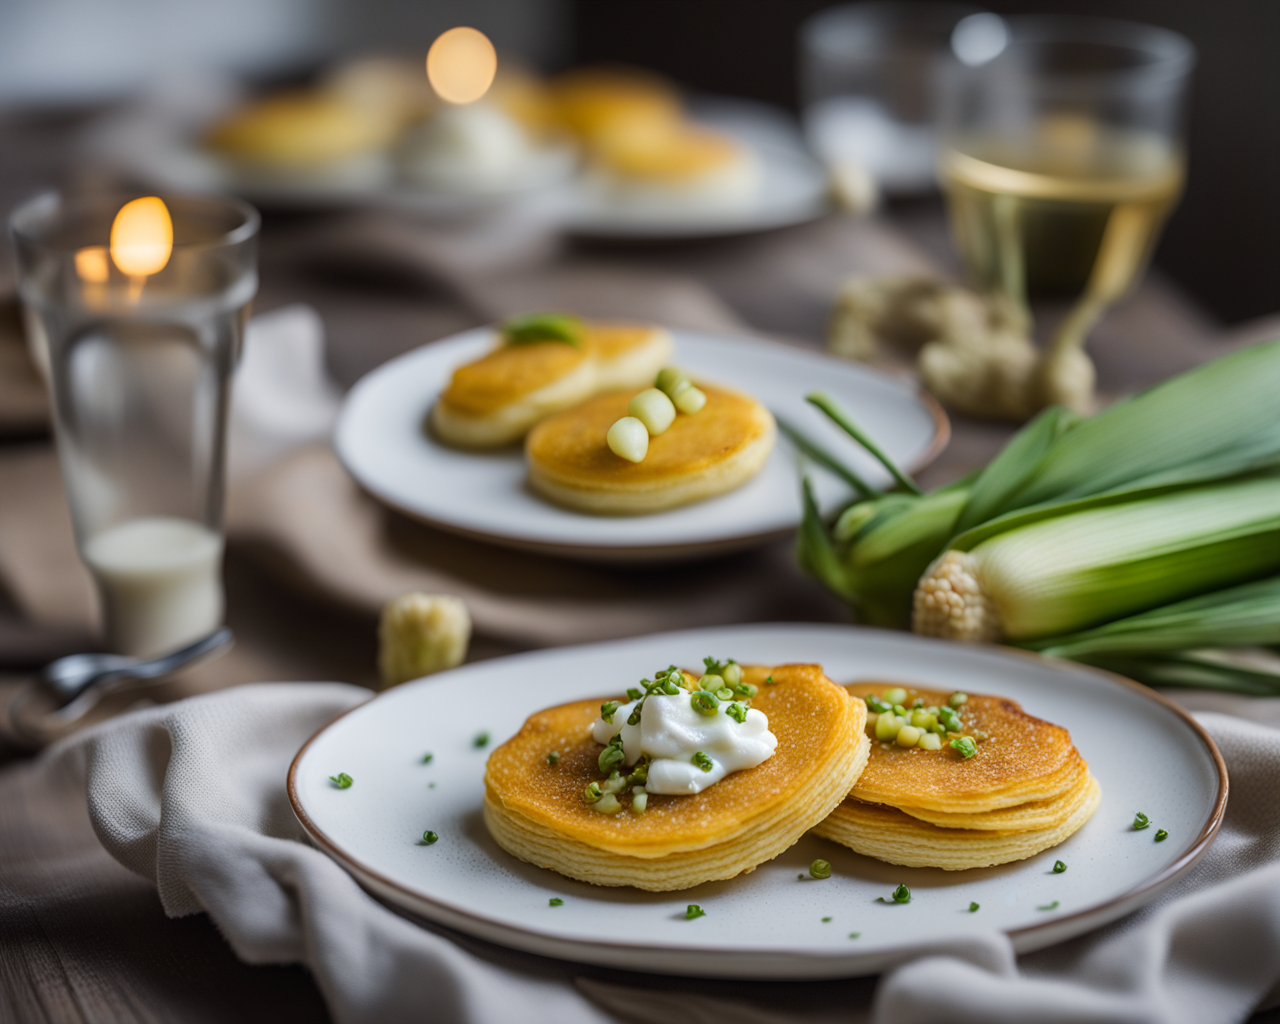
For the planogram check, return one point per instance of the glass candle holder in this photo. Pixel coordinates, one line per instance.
(136, 312)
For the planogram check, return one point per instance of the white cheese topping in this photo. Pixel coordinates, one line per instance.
(671, 732)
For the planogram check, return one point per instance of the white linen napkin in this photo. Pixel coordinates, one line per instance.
(192, 796)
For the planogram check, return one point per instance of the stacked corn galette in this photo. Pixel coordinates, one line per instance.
(691, 777)
(684, 780)
(611, 429)
(960, 781)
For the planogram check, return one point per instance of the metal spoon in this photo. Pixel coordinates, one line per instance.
(76, 683)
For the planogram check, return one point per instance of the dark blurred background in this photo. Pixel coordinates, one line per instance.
(1222, 243)
(60, 57)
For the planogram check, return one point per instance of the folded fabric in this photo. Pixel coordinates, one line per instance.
(192, 796)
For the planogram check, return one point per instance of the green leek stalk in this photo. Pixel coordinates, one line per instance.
(1213, 423)
(1069, 572)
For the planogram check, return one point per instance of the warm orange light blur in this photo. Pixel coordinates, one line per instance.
(141, 237)
(91, 264)
(461, 64)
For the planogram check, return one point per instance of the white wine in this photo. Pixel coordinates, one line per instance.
(1073, 210)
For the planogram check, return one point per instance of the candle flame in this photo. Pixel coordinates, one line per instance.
(461, 64)
(141, 237)
(91, 264)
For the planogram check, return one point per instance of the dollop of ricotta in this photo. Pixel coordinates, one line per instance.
(671, 732)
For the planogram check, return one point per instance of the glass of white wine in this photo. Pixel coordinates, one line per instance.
(1061, 156)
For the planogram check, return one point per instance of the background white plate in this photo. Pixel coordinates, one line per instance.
(1147, 755)
(381, 440)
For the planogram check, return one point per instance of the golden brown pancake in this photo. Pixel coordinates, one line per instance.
(298, 130)
(1025, 790)
(595, 101)
(1023, 759)
(535, 810)
(498, 397)
(887, 834)
(708, 453)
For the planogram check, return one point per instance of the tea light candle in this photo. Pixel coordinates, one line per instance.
(137, 311)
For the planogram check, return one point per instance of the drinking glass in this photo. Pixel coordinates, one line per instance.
(1061, 155)
(138, 332)
(868, 80)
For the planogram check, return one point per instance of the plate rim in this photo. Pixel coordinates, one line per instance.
(748, 964)
(614, 554)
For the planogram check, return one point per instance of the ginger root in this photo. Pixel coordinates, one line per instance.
(975, 353)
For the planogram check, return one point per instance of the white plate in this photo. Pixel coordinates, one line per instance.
(381, 440)
(1146, 753)
(793, 185)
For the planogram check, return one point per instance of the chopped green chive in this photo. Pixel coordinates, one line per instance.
(1161, 835)
(1059, 867)
(855, 935)
(692, 911)
(607, 709)
(737, 712)
(482, 740)
(426, 758)
(592, 792)
(965, 746)
(634, 692)
(877, 705)
(825, 920)
(768, 681)
(820, 868)
(702, 761)
(744, 690)
(534, 327)
(553, 757)
(1049, 906)
(973, 908)
(902, 894)
(342, 780)
(611, 756)
(640, 803)
(956, 699)
(801, 877)
(431, 785)
(1140, 821)
(704, 703)
(429, 837)
(555, 901)
(896, 695)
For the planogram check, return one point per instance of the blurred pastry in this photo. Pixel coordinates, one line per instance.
(574, 459)
(593, 101)
(472, 148)
(674, 164)
(542, 365)
(685, 795)
(313, 136)
(975, 783)
(392, 89)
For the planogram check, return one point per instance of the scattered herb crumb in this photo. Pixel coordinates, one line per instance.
(855, 935)
(1049, 906)
(820, 868)
(825, 920)
(1140, 821)
(692, 911)
(481, 740)
(553, 757)
(800, 877)
(431, 785)
(555, 901)
(1059, 867)
(1161, 835)
(342, 780)
(429, 837)
(768, 681)
(973, 908)
(902, 894)
(426, 758)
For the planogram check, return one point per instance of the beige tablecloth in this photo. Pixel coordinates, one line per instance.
(311, 558)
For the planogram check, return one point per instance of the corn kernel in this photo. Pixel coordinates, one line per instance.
(654, 410)
(690, 401)
(908, 736)
(629, 439)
